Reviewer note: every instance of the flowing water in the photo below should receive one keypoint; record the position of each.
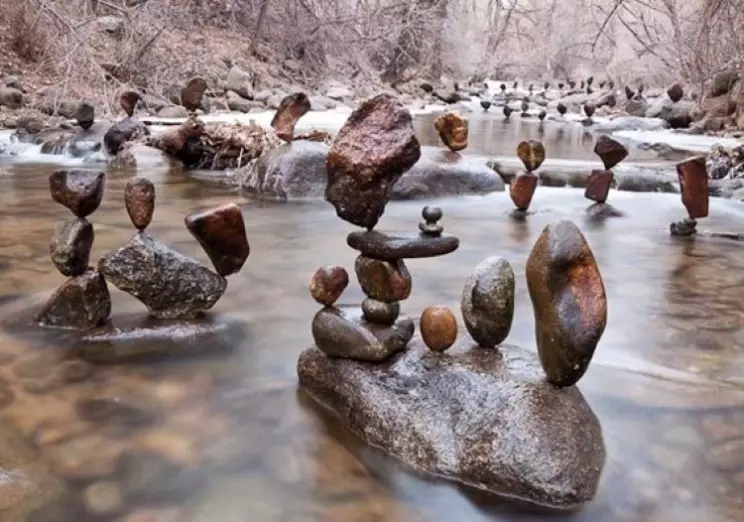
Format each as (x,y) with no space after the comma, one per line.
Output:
(667,381)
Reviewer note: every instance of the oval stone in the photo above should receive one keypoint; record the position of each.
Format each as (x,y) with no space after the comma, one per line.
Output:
(569,302)
(139,199)
(328,283)
(380,313)
(438,328)
(70,246)
(386,281)
(453,131)
(488,301)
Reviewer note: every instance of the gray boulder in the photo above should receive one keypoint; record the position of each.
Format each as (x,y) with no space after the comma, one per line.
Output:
(486,418)
(171,285)
(11,98)
(240,82)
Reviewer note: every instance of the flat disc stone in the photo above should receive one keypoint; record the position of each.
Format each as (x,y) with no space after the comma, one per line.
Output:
(389,248)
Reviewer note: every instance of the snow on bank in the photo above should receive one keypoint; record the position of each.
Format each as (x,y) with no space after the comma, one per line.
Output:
(683,142)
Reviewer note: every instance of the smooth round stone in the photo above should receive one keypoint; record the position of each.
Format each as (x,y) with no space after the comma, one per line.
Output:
(387,281)
(389,248)
(71,245)
(431,229)
(139,199)
(438,328)
(379,312)
(488,302)
(431,214)
(79,190)
(328,283)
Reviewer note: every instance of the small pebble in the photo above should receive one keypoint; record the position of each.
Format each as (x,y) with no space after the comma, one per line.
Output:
(438,328)
(380,313)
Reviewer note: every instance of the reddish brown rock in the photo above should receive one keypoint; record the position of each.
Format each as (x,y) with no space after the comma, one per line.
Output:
(522,188)
(139,198)
(598,185)
(610,151)
(675,92)
(291,109)
(328,283)
(569,302)
(453,131)
(438,328)
(79,190)
(373,149)
(532,154)
(693,182)
(192,93)
(221,232)
(386,281)
(128,101)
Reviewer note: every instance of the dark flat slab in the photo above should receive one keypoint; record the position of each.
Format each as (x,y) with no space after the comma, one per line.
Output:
(389,248)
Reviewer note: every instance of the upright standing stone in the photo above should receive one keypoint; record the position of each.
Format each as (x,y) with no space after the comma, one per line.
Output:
(453,131)
(85,114)
(611,152)
(487,303)
(70,246)
(373,149)
(128,101)
(521,190)
(386,281)
(598,185)
(139,199)
(569,302)
(291,109)
(693,181)
(79,190)
(221,232)
(192,93)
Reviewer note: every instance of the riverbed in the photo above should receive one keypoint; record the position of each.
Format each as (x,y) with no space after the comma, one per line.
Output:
(667,381)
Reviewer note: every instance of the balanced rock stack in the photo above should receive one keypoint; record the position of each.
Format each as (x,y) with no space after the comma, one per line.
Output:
(169,284)
(453,131)
(598,185)
(522,187)
(359,179)
(83,301)
(291,109)
(693,184)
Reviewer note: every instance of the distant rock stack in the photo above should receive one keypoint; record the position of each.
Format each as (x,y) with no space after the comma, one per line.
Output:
(561,108)
(83,301)
(485,104)
(291,109)
(453,131)
(507,111)
(522,187)
(598,185)
(128,102)
(192,93)
(525,107)
(169,284)
(589,110)
(693,183)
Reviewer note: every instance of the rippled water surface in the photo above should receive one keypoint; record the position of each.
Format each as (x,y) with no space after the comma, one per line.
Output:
(667,381)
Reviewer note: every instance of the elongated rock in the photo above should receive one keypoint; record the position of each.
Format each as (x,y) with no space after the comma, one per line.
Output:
(488,302)
(82,302)
(70,246)
(139,199)
(373,149)
(521,190)
(569,302)
(221,232)
(291,109)
(169,284)
(453,131)
(598,185)
(79,190)
(193,92)
(693,182)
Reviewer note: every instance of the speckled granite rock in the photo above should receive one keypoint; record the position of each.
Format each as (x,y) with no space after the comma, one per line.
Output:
(487,418)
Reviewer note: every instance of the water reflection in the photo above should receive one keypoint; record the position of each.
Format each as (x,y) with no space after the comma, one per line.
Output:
(232,436)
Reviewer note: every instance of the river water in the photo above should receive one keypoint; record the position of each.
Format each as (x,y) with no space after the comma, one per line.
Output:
(242,442)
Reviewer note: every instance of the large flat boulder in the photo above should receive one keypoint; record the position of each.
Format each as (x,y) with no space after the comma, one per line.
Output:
(483,417)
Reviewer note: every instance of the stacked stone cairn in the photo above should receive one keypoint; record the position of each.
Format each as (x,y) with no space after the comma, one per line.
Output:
(598,185)
(169,284)
(589,110)
(693,183)
(358,186)
(453,131)
(83,301)
(522,187)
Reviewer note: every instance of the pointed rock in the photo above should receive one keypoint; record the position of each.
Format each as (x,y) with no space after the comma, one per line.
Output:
(598,185)
(453,131)
(532,154)
(139,199)
(221,232)
(291,109)
(373,149)
(487,303)
(693,182)
(82,302)
(79,190)
(169,284)
(610,151)
(521,190)
(569,302)
(70,246)
(589,109)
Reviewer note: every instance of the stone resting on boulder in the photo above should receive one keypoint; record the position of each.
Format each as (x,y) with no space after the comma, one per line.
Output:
(489,415)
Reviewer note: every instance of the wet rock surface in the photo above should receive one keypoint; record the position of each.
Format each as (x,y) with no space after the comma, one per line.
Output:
(453,131)
(127,129)
(82,302)
(373,149)
(344,333)
(438,327)
(598,185)
(328,283)
(693,182)
(487,302)
(386,281)
(611,152)
(482,417)
(139,199)
(568,300)
(79,190)
(71,245)
(169,284)
(391,248)
(522,188)
(221,232)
